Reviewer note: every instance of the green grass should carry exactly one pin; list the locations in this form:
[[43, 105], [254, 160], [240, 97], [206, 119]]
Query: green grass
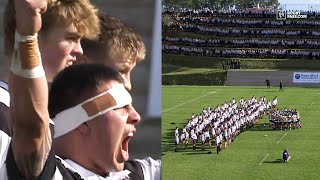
[[242, 159]]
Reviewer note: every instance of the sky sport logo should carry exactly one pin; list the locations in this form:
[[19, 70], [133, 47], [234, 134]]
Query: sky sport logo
[[283, 15]]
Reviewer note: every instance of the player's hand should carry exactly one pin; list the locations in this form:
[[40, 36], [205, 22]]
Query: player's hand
[[28, 15]]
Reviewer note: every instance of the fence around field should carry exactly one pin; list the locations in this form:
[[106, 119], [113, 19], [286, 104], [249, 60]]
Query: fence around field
[[258, 78]]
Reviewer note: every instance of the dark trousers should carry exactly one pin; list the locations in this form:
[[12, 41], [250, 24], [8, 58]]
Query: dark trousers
[[218, 148]]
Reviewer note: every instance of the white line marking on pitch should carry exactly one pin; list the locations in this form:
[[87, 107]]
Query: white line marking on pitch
[[191, 100], [282, 137], [264, 158]]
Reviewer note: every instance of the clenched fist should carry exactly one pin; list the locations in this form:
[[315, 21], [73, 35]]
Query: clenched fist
[[28, 15]]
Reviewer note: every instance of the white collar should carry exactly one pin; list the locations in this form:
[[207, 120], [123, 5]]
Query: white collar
[[88, 175]]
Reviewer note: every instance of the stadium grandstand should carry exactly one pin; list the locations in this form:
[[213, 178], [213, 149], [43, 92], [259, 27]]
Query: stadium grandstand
[[242, 47]]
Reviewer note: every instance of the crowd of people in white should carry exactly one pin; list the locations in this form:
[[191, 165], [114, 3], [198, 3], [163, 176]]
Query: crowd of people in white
[[223, 123]]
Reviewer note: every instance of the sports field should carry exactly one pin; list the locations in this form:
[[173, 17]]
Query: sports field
[[255, 153]]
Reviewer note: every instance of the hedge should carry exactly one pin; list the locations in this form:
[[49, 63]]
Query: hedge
[[201, 79], [216, 62]]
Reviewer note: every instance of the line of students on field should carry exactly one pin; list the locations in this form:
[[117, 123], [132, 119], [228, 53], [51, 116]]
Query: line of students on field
[[223, 123]]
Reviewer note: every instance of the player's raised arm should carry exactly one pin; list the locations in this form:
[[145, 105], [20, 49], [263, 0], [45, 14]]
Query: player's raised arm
[[31, 140]]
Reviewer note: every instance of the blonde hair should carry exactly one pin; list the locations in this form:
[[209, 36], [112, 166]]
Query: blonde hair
[[80, 13], [120, 39], [116, 41], [127, 44]]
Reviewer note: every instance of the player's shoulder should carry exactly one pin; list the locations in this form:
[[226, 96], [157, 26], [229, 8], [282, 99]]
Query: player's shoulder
[[4, 93], [151, 168], [4, 146]]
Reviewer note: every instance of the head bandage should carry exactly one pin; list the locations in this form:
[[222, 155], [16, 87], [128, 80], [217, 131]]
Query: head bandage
[[71, 118]]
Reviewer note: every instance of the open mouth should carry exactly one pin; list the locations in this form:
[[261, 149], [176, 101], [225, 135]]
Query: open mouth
[[125, 146]]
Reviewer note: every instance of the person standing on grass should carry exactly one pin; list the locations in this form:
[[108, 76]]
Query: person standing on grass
[[194, 140], [275, 103], [203, 140], [281, 86], [226, 137], [218, 141], [176, 135], [207, 135], [285, 156], [213, 132], [186, 138], [183, 138], [268, 82]]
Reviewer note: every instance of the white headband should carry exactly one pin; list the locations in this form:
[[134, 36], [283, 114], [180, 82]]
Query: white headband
[[4, 94], [71, 118]]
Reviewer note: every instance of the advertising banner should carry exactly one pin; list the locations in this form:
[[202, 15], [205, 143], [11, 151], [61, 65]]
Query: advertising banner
[[306, 77]]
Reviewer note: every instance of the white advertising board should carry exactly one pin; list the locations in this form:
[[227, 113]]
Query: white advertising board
[[306, 77]]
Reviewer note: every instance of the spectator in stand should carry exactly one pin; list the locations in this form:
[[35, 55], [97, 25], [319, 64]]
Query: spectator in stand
[[223, 66], [238, 64]]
